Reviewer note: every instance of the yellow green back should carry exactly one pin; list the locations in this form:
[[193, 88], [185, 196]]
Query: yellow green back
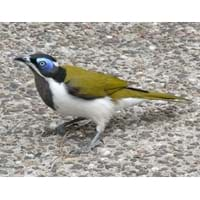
[[88, 83]]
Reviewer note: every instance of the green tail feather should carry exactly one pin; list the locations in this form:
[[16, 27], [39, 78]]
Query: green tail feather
[[143, 94]]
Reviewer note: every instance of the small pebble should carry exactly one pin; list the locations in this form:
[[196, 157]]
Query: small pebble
[[105, 152], [109, 36], [152, 47], [91, 166], [154, 169]]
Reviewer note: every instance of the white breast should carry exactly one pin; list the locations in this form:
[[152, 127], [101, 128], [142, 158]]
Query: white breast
[[100, 109]]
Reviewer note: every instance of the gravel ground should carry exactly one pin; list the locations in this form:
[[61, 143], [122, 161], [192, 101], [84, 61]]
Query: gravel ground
[[151, 139]]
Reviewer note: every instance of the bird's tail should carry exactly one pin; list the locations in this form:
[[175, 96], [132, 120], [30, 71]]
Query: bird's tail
[[143, 94]]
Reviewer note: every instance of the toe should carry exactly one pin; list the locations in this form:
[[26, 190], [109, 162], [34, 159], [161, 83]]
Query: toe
[[78, 151], [97, 143]]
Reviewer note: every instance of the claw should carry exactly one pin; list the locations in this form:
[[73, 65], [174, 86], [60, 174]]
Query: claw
[[86, 149], [59, 130], [78, 151], [95, 144]]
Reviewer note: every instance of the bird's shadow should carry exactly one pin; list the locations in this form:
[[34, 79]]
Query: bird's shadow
[[159, 114]]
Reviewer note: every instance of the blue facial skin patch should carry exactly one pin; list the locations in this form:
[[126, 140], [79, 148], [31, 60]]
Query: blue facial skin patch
[[45, 64]]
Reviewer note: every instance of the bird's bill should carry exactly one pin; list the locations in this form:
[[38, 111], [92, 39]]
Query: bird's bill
[[24, 59]]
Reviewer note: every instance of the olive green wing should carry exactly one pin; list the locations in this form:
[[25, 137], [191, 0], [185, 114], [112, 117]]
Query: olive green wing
[[89, 84]]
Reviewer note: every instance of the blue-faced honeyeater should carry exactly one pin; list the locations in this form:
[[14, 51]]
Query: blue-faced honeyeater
[[75, 91]]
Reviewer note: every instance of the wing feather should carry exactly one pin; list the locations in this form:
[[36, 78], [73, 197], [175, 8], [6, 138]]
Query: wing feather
[[90, 84]]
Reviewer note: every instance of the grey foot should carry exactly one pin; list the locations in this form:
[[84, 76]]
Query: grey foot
[[78, 151], [86, 149], [61, 129], [96, 140]]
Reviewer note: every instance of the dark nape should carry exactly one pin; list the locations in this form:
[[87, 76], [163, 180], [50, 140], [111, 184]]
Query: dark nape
[[60, 75]]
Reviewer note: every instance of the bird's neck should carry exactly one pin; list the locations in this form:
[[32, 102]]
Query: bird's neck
[[60, 75]]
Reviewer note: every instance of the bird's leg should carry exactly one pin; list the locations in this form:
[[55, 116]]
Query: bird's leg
[[61, 129], [95, 141], [97, 138]]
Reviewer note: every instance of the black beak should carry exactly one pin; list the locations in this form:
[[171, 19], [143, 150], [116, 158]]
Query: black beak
[[19, 59], [25, 59]]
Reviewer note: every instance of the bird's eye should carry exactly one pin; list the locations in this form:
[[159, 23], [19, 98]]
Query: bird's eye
[[42, 63]]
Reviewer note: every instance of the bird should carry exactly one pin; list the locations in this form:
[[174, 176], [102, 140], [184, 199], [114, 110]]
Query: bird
[[85, 94]]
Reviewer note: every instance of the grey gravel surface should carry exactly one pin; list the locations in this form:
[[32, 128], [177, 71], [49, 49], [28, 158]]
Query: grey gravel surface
[[151, 139]]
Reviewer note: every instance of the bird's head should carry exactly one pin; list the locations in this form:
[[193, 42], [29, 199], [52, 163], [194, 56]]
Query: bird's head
[[42, 64]]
